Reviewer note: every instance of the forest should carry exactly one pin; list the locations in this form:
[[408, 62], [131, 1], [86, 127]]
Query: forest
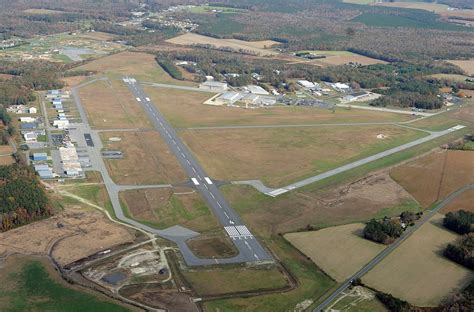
[[22, 197]]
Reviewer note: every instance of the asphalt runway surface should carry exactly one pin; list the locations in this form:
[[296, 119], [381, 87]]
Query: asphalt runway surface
[[250, 249]]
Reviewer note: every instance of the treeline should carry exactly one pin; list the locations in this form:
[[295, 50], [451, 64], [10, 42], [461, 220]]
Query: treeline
[[461, 251], [28, 76], [375, 55], [403, 84], [460, 221], [22, 197], [169, 67], [384, 231]]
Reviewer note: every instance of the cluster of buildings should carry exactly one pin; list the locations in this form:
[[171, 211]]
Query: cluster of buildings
[[70, 161], [56, 97], [250, 95]]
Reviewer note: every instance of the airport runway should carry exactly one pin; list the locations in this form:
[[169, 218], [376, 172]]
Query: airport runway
[[250, 250]]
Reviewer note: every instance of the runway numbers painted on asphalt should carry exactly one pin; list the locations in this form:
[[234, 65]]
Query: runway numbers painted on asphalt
[[208, 180], [239, 231], [195, 181]]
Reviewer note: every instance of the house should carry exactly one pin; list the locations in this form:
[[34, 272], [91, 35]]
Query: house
[[214, 86], [40, 156], [32, 110], [257, 90], [306, 84], [28, 125], [251, 99], [341, 87], [45, 174], [27, 119], [229, 98], [30, 137], [57, 102], [61, 124]]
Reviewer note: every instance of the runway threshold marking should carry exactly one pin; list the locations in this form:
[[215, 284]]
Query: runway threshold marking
[[208, 180], [138, 99], [195, 181]]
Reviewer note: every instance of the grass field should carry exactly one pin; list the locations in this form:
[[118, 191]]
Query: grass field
[[254, 47], [185, 109], [110, 105], [413, 19], [147, 159], [339, 251], [141, 66], [163, 208], [283, 155], [466, 65], [438, 8], [31, 284], [212, 9], [57, 47], [343, 57], [436, 175], [458, 116], [234, 279], [312, 284], [465, 202], [417, 271]]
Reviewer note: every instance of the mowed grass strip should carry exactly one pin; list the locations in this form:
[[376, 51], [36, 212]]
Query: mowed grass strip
[[280, 156], [31, 284], [185, 109], [235, 279], [339, 251], [147, 159], [417, 271], [434, 176], [162, 208], [141, 66], [110, 105]]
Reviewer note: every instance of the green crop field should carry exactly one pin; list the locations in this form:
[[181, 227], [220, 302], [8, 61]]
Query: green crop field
[[416, 19], [30, 287]]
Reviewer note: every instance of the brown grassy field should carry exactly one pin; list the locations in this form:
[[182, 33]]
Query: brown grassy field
[[147, 159], [340, 251], [355, 201], [6, 160], [417, 271], [185, 109], [229, 280], [110, 105], [466, 65], [141, 66], [208, 246], [463, 116], [432, 177], [85, 232], [283, 155], [465, 202], [42, 11], [163, 208], [255, 47]]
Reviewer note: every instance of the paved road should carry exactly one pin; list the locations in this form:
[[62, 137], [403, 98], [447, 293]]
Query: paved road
[[387, 110], [360, 162], [392, 247], [172, 86], [250, 249]]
